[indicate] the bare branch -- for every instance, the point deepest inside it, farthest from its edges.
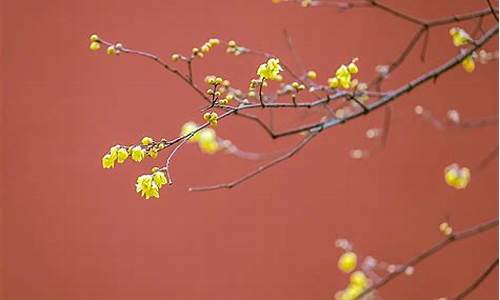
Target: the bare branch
(259, 170)
(477, 282)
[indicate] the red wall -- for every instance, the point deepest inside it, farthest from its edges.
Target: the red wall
(72, 230)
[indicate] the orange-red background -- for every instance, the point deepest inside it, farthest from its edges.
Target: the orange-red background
(72, 230)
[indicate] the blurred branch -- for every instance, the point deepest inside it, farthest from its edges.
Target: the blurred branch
(453, 237)
(492, 9)
(477, 282)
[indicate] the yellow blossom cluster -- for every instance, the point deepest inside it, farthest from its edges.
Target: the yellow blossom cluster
(211, 118)
(120, 153)
(198, 52)
(95, 44)
(358, 281)
(459, 38)
(270, 70)
(456, 176)
(343, 76)
(218, 87)
(206, 138)
(149, 185)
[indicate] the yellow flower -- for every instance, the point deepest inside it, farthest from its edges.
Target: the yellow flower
(146, 140)
(459, 36)
(359, 279)
(468, 64)
(121, 155)
(147, 186)
(270, 70)
(159, 178)
(137, 153)
(347, 262)
(94, 38)
(208, 141)
(344, 76)
(333, 83)
(94, 46)
(457, 177)
(108, 161)
(188, 128)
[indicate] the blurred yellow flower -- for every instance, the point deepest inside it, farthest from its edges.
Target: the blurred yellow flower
(457, 177)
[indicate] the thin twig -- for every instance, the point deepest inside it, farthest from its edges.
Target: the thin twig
(477, 282)
(492, 9)
(259, 170)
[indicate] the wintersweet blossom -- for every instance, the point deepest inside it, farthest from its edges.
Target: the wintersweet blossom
(468, 64)
(343, 76)
(149, 185)
(270, 70)
(459, 36)
(188, 128)
(137, 153)
(208, 141)
(457, 177)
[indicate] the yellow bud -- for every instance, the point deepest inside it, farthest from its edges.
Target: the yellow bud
(176, 57)
(353, 68)
(311, 74)
(205, 48)
(468, 64)
(153, 153)
(231, 43)
(214, 41)
(295, 85)
(94, 38)
(333, 83)
(146, 141)
(94, 46)
(347, 262)
(111, 50)
(359, 279)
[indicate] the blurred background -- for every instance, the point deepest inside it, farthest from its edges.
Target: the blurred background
(72, 230)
